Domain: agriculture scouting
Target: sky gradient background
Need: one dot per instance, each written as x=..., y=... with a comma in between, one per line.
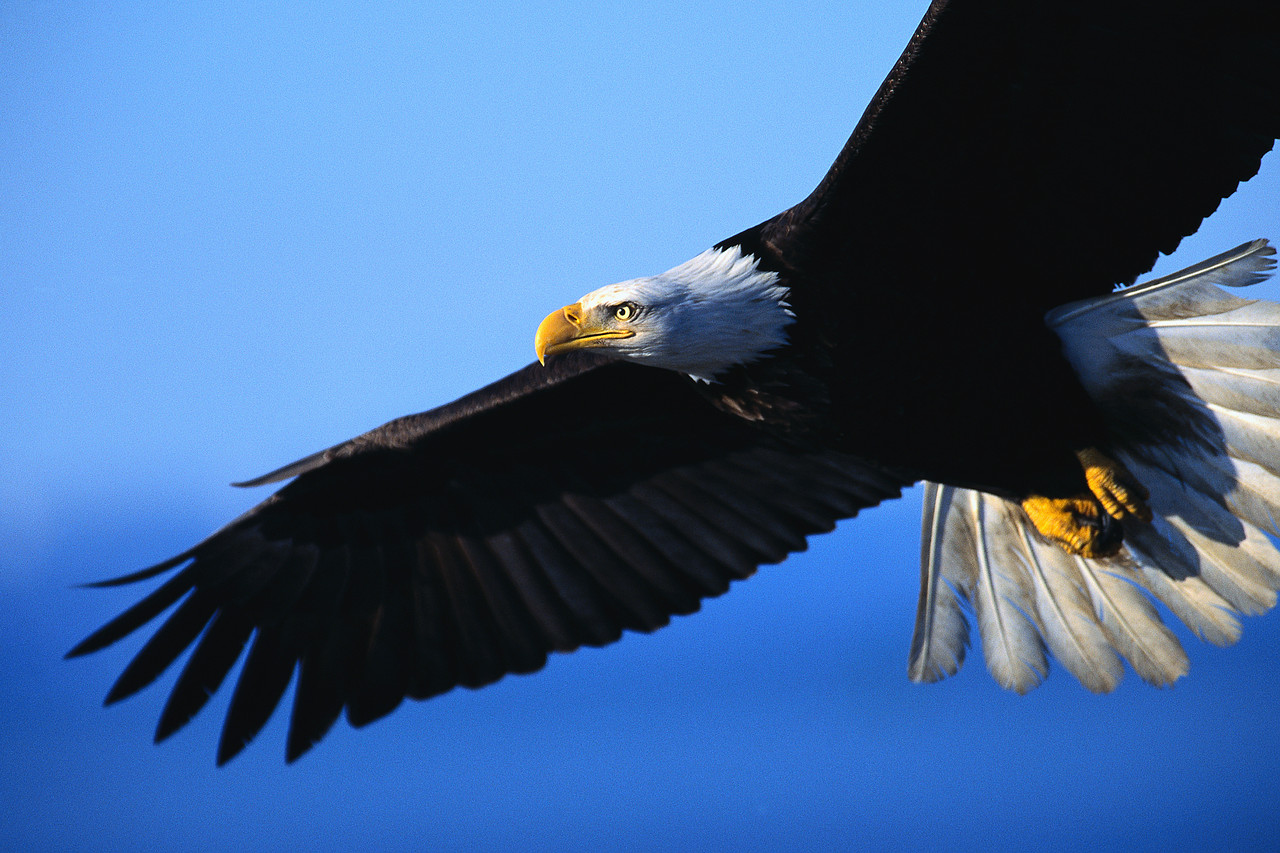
x=232, y=236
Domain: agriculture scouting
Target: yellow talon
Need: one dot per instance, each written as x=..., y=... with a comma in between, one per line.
x=1078, y=524
x=1085, y=524
x=1119, y=492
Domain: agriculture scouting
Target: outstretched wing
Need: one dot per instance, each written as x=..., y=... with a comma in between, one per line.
x=1009, y=131
x=550, y=510
x=1093, y=133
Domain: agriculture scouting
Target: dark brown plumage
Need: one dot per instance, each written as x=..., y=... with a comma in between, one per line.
x=1095, y=134
x=442, y=550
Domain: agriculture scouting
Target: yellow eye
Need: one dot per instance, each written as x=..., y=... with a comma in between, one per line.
x=624, y=312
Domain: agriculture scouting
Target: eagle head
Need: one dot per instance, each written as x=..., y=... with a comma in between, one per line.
x=711, y=313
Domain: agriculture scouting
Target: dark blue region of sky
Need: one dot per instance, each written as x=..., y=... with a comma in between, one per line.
x=234, y=234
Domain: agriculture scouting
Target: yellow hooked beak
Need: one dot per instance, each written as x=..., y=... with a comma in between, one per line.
x=570, y=328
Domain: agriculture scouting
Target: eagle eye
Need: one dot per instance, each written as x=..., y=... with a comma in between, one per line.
x=625, y=311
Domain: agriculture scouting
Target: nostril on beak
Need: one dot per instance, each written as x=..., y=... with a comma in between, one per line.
x=573, y=313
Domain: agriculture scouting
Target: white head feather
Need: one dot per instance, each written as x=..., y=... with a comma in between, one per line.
x=710, y=313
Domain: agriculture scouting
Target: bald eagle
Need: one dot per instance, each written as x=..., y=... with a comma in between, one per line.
x=1087, y=450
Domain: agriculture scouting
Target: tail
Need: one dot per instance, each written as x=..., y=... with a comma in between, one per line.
x=1188, y=378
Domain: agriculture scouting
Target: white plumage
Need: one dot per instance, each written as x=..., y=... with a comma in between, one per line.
x=1188, y=377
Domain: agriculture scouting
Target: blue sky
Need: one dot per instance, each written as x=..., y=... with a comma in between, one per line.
x=234, y=234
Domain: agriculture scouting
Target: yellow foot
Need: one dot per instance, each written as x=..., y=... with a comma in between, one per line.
x=1119, y=492
x=1079, y=525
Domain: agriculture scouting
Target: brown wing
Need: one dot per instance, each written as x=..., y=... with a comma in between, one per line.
x=1095, y=133
x=551, y=510
x=1019, y=156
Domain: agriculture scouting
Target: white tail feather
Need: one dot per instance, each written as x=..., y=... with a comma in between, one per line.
x=939, y=646
x=1210, y=457
x=1131, y=623
x=1066, y=617
x=1003, y=597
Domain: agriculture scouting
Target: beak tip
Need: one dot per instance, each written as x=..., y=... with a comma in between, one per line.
x=554, y=332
